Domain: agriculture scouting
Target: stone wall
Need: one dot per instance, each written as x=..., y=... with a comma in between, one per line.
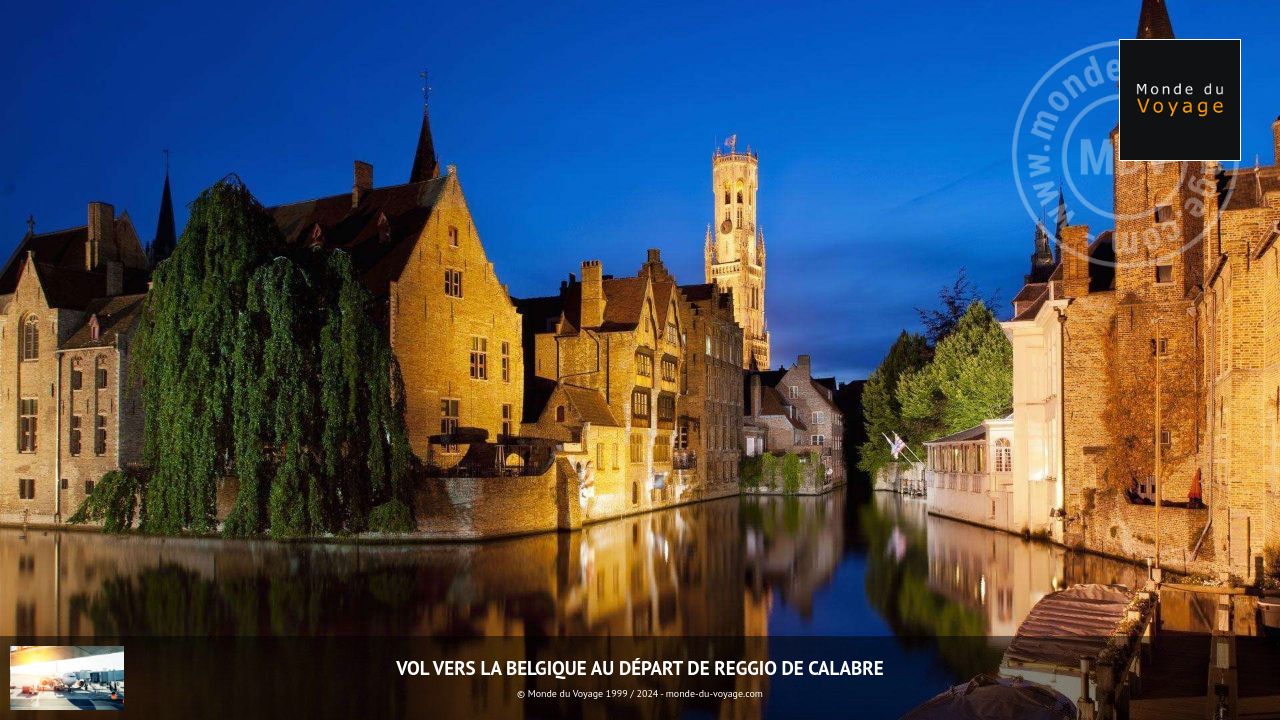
x=1114, y=526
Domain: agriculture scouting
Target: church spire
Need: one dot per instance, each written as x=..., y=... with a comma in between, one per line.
x=1153, y=21
x=425, y=164
x=166, y=237
x=1062, y=216
x=1042, y=261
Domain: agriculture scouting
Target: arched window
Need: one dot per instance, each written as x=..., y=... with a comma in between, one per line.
x=739, y=197
x=29, y=341
x=726, y=197
x=1004, y=456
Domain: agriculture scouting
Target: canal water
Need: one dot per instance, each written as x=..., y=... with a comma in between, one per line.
x=812, y=577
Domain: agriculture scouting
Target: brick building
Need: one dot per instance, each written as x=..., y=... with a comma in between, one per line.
x=711, y=421
x=453, y=327
x=68, y=303
x=734, y=250
x=619, y=343
x=1192, y=293
x=800, y=414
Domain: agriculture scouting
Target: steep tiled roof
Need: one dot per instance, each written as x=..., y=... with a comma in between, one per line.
x=1247, y=188
x=60, y=248
x=116, y=316
x=359, y=231
x=589, y=406
x=624, y=302
x=695, y=293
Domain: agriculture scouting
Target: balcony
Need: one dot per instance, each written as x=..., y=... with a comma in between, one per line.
x=684, y=460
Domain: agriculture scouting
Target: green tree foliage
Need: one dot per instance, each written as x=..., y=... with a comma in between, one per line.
x=881, y=409
x=261, y=362
x=969, y=379
x=114, y=501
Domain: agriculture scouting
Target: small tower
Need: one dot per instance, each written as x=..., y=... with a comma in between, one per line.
x=426, y=166
x=1042, y=261
x=1153, y=21
x=166, y=237
x=734, y=251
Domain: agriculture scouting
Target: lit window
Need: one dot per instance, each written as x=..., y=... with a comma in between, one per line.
x=640, y=404
x=29, y=345
x=479, y=358
x=449, y=421
x=27, y=408
x=669, y=369
x=637, y=447
x=1004, y=456
x=506, y=419
x=506, y=361
x=453, y=283
x=644, y=364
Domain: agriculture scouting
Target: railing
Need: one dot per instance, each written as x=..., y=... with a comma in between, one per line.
x=684, y=460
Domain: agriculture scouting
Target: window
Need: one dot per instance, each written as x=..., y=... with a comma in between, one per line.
x=739, y=196
x=453, y=283
x=644, y=364
x=26, y=489
x=559, y=413
x=27, y=425
x=1166, y=441
x=637, y=447
x=818, y=440
x=73, y=443
x=682, y=436
x=1160, y=346
x=101, y=378
x=640, y=404
x=819, y=416
x=793, y=392
x=1164, y=273
x=100, y=435
x=449, y=421
x=65, y=484
x=726, y=197
x=506, y=419
x=479, y=358
x=669, y=369
x=77, y=379
x=666, y=408
x=453, y=236
x=88, y=487
x=1004, y=456
x=1164, y=213
x=29, y=342
x=615, y=456
x=662, y=448
x=506, y=361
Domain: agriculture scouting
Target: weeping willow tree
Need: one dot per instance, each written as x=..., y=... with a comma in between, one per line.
x=260, y=362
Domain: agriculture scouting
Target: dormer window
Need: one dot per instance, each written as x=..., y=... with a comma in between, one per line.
x=95, y=329
x=317, y=235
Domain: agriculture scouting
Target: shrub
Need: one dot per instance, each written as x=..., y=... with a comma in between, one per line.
x=791, y=473
x=749, y=471
x=392, y=516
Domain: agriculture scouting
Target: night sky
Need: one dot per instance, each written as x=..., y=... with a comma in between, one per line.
x=584, y=131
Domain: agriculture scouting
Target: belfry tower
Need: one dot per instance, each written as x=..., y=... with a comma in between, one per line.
x=734, y=251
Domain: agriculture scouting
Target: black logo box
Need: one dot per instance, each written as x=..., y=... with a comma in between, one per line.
x=1189, y=64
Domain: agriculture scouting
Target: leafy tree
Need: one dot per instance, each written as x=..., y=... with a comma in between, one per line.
x=970, y=378
x=880, y=407
x=953, y=301
x=260, y=362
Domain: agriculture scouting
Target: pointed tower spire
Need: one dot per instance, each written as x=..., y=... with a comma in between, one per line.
x=1062, y=216
x=425, y=164
x=1153, y=21
x=1042, y=259
x=166, y=238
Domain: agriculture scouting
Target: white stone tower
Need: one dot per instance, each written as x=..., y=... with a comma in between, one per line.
x=735, y=247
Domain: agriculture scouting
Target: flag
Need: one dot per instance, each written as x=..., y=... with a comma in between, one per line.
x=896, y=445
x=731, y=141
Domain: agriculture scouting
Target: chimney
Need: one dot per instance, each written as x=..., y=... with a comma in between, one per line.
x=363, y=182
x=755, y=395
x=1075, y=260
x=115, y=278
x=592, y=312
x=102, y=231
x=655, y=256
x=1275, y=138
x=802, y=362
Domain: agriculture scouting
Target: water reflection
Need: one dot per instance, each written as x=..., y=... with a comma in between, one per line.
x=950, y=593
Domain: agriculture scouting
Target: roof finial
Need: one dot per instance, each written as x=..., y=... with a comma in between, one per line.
x=31, y=224
x=426, y=88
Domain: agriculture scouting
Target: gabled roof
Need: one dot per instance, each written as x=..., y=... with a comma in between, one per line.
x=588, y=406
x=116, y=316
x=359, y=230
x=624, y=302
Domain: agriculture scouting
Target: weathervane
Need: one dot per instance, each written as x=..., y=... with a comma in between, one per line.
x=426, y=89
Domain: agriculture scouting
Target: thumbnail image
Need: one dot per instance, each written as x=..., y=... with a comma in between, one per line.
x=66, y=677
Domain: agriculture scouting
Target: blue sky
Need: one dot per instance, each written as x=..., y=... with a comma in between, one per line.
x=584, y=130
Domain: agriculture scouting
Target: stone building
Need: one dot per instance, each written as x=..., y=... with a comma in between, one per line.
x=969, y=476
x=1182, y=287
x=734, y=252
x=452, y=325
x=619, y=342
x=711, y=424
x=800, y=414
x=68, y=303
